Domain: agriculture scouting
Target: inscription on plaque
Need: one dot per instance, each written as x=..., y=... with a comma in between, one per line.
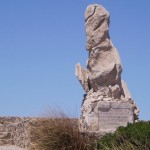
x=114, y=114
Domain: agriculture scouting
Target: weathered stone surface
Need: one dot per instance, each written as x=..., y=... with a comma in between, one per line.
x=125, y=89
x=107, y=116
x=104, y=65
x=101, y=79
x=16, y=131
x=82, y=77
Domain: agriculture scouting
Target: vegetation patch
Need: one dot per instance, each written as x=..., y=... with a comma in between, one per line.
x=133, y=137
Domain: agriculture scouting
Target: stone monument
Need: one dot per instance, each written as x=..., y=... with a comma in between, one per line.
x=107, y=103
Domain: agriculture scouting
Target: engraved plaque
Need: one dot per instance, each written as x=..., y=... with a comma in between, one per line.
x=111, y=115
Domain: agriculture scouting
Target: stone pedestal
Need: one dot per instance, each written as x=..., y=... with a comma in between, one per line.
x=106, y=116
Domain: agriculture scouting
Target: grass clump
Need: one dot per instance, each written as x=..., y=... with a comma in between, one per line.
x=133, y=137
x=59, y=132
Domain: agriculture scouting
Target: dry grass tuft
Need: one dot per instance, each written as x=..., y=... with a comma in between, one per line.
x=59, y=132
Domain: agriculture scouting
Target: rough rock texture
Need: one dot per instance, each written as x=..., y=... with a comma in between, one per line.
x=101, y=79
x=5, y=135
x=20, y=132
x=16, y=131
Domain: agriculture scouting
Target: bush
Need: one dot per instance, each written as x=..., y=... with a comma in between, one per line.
x=133, y=137
x=59, y=132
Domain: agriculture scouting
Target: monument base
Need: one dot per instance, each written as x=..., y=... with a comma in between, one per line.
x=105, y=114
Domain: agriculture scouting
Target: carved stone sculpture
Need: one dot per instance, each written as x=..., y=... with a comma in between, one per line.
x=101, y=79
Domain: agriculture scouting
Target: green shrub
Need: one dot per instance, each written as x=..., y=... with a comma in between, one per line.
x=133, y=137
x=59, y=132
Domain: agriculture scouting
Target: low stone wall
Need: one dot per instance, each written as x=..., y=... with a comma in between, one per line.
x=20, y=133
x=15, y=131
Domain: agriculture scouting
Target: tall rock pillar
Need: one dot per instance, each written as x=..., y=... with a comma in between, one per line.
x=107, y=103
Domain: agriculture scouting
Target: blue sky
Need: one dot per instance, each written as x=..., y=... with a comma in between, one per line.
x=41, y=41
